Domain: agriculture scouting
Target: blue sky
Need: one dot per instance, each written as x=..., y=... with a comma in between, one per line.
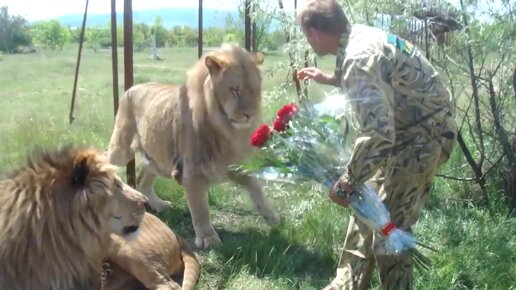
x=45, y=9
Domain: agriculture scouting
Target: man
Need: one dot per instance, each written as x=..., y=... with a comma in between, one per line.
x=407, y=130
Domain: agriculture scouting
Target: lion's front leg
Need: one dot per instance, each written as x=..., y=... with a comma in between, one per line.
x=197, y=196
x=255, y=190
x=146, y=186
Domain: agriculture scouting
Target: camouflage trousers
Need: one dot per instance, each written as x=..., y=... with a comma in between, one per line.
x=404, y=185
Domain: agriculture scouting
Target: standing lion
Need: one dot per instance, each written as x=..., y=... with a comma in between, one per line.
x=57, y=212
x=194, y=132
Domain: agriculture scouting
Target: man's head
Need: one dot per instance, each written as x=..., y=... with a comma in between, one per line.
x=323, y=22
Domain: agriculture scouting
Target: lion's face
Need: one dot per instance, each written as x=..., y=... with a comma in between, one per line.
x=237, y=84
x=129, y=209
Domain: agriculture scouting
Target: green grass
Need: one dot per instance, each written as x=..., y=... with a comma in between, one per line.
x=476, y=251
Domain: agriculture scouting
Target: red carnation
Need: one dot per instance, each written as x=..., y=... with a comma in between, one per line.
x=279, y=125
x=286, y=112
x=284, y=115
x=260, y=136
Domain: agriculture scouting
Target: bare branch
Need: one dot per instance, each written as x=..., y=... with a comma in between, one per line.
x=493, y=166
x=456, y=178
x=482, y=177
x=499, y=65
x=466, y=114
x=482, y=65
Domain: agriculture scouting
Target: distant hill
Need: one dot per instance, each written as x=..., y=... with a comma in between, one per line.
x=170, y=17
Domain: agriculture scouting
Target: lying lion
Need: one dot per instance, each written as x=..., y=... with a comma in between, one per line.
x=149, y=261
x=194, y=132
x=57, y=212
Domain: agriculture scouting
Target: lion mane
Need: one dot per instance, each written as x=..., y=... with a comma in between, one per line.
x=56, y=213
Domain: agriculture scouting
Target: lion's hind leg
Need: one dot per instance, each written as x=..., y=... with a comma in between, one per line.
x=149, y=277
x=169, y=285
x=120, y=150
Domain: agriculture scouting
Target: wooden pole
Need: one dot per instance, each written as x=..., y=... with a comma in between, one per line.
x=81, y=41
x=200, y=32
x=114, y=55
x=128, y=73
x=253, y=36
x=247, y=25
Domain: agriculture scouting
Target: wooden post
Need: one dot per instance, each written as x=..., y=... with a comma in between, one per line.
x=81, y=41
x=247, y=24
x=114, y=55
x=128, y=73
x=253, y=36
x=200, y=32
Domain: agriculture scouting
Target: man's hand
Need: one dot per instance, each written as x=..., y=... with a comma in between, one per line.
x=342, y=201
x=315, y=74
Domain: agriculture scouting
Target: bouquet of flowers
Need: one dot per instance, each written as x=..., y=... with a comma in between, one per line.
x=305, y=144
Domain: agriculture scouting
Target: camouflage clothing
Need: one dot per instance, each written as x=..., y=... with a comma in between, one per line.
x=407, y=131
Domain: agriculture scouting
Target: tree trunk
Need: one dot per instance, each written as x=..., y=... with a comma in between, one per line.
x=503, y=138
x=474, y=89
x=479, y=176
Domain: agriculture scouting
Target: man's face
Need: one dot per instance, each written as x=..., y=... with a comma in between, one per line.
x=314, y=39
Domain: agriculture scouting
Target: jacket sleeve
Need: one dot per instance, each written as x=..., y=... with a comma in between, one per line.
x=366, y=83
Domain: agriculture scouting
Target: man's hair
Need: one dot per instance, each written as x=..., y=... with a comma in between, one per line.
x=324, y=15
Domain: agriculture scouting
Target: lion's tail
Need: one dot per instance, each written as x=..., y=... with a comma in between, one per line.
x=120, y=149
x=192, y=266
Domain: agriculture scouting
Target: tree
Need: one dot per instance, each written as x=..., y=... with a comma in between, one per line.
x=214, y=36
x=50, y=34
x=13, y=32
x=259, y=14
x=141, y=36
x=482, y=53
x=97, y=37
x=159, y=31
x=182, y=36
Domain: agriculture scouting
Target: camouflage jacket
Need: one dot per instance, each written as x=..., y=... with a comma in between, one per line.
x=395, y=93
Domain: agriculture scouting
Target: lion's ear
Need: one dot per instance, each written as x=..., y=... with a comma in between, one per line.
x=80, y=173
x=258, y=57
x=216, y=62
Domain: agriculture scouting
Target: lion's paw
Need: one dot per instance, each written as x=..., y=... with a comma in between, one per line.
x=272, y=219
x=160, y=205
x=208, y=242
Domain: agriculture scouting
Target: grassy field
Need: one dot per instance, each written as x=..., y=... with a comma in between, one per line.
x=476, y=250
